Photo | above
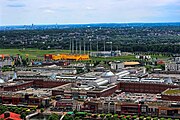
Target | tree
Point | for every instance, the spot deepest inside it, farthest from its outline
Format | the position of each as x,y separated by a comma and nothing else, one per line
115,115
66,117
53,117
128,117
102,116
141,118
76,118
42,110
75,111
148,118
156,118
17,111
162,118
122,116
23,115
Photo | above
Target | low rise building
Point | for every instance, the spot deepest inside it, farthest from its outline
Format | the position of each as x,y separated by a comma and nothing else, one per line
171,94
117,65
173,65
23,99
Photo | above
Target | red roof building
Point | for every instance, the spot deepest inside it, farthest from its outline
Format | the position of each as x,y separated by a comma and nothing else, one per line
10,116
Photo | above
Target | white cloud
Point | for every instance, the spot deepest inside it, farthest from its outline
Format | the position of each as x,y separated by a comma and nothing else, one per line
87,11
90,8
49,11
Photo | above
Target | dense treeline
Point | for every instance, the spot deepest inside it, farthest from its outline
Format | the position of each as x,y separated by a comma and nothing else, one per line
130,39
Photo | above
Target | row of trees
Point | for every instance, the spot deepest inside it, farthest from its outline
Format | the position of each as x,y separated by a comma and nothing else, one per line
155,39
89,116
18,110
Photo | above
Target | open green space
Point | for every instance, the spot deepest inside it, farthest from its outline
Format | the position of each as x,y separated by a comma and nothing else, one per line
172,91
118,58
39,54
32,53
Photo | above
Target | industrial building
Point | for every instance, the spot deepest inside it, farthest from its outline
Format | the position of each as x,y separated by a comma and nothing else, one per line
121,65
76,57
173,65
105,53
5,60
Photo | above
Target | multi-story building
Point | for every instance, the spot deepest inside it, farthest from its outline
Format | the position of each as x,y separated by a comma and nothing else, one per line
5,60
174,65
163,109
27,99
117,65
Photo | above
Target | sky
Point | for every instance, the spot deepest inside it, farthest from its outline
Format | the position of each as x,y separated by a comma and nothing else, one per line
24,12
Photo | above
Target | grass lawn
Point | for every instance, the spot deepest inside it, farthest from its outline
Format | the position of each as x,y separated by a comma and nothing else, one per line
175,91
32,53
119,58
160,56
39,54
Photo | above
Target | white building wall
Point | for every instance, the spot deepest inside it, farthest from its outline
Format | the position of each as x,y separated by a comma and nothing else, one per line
172,67
116,66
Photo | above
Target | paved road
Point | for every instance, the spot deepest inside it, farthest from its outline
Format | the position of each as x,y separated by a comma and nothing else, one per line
63,115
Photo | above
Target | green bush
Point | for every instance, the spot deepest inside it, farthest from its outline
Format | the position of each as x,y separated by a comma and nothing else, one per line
162,118
148,118
134,117
42,110
141,118
23,115
156,118
53,117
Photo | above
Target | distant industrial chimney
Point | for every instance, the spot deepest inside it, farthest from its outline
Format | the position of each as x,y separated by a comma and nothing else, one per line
97,46
104,45
84,47
72,46
90,45
76,46
80,46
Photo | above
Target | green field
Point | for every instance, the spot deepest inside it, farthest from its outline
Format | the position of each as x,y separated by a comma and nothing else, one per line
39,54
32,53
119,58
172,91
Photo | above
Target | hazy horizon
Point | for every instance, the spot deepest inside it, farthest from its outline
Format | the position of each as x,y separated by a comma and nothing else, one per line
45,12
90,23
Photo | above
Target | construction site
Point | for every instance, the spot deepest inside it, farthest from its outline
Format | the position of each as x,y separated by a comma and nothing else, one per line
76,57
75,54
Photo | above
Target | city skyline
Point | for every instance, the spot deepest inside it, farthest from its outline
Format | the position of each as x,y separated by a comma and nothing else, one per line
19,12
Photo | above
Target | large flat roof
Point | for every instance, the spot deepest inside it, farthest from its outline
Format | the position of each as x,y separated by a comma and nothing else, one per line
131,63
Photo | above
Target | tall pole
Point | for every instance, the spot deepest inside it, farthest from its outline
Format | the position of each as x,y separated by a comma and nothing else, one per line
90,45
73,46
80,46
76,46
97,46
104,45
111,46
84,47
70,46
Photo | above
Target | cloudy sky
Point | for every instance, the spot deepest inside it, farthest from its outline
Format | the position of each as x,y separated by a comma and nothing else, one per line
21,12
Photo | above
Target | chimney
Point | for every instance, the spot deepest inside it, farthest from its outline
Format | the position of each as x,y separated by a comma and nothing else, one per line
6,114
